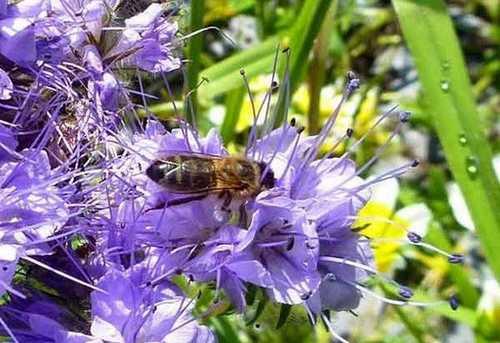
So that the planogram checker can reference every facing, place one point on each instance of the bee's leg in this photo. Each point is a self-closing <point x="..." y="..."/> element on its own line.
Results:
<point x="228" y="198"/>
<point x="180" y="201"/>
<point x="243" y="216"/>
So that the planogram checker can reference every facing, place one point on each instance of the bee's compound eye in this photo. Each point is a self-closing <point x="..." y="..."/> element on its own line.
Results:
<point x="155" y="172"/>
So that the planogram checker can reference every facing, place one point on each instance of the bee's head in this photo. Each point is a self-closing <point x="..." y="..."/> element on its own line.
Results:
<point x="268" y="180"/>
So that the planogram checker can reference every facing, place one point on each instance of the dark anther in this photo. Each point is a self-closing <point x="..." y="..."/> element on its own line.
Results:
<point x="178" y="271"/>
<point x="274" y="85"/>
<point x="293" y="122"/>
<point x="290" y="243"/>
<point x="300" y="129"/>
<point x="5" y="268"/>
<point x="331" y="277"/>
<point x="351" y="75"/>
<point x="242" y="71"/>
<point x="285" y="50"/>
<point x="414" y="237"/>
<point x="155" y="308"/>
<point x="404" y="116"/>
<point x="205" y="79"/>
<point x="415" y="163"/>
<point x="456" y="259"/>
<point x="353" y="85"/>
<point x="405" y="292"/>
<point x="148" y="284"/>
<point x="349" y="132"/>
<point x="310" y="245"/>
<point x="353" y="313"/>
<point x="454" y="303"/>
<point x="257" y="325"/>
<point x="306" y="295"/>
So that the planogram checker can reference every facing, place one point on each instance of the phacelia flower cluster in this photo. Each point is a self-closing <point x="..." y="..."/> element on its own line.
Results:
<point x="87" y="210"/>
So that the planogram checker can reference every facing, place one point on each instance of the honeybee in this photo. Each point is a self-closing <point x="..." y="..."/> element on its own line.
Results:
<point x="200" y="175"/>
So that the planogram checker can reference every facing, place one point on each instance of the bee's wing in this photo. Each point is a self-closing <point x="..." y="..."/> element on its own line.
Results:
<point x="192" y="153"/>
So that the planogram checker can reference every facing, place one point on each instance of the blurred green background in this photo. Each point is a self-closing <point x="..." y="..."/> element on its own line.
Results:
<point x="439" y="60"/>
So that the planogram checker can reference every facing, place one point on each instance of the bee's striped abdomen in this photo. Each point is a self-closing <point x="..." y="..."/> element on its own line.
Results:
<point x="183" y="173"/>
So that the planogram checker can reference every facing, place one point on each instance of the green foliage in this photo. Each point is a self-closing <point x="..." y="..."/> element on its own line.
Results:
<point x="449" y="100"/>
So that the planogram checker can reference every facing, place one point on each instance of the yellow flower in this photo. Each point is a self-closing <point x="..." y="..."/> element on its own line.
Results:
<point x="382" y="225"/>
<point x="388" y="228"/>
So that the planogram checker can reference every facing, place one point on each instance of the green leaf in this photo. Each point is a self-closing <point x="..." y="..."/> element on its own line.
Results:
<point x="194" y="53"/>
<point x="317" y="70"/>
<point x="448" y="99"/>
<point x="226" y="332"/>
<point x="234" y="100"/>
<point x="301" y="38"/>
<point x="300" y="41"/>
<point x="285" y="310"/>
<point x="259" y="310"/>
<point x="225" y="76"/>
<point x="462" y="314"/>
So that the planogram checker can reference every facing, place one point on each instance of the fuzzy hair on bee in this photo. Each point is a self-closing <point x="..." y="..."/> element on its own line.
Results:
<point x="200" y="175"/>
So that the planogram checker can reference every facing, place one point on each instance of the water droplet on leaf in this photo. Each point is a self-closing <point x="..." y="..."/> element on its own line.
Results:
<point x="462" y="139"/>
<point x="445" y="85"/>
<point x="472" y="165"/>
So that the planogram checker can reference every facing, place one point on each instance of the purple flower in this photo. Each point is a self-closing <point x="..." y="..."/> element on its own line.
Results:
<point x="147" y="42"/>
<point x="6" y="86"/>
<point x="15" y="33"/>
<point x="38" y="319"/>
<point x="131" y="313"/>
<point x="32" y="209"/>
<point x="286" y="232"/>
<point x="8" y="143"/>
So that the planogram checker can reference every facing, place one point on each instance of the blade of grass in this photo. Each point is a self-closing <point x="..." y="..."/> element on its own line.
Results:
<point x="224" y="76"/>
<point x="234" y="100"/>
<point x="194" y="52"/>
<point x="300" y="41"/>
<point x="257" y="60"/>
<point x="448" y="98"/>
<point x="317" y="70"/>
<point x="226" y="333"/>
<point x="285" y="311"/>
